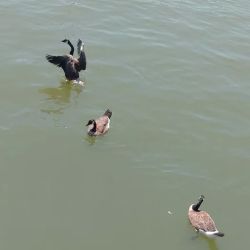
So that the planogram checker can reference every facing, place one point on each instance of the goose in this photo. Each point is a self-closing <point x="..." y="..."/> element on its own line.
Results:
<point x="202" y="221"/>
<point x="99" y="126"/>
<point x="70" y="65"/>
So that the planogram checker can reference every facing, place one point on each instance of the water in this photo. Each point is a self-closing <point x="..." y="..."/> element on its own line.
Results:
<point x="176" y="76"/>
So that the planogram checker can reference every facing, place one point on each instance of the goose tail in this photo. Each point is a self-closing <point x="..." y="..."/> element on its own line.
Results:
<point x="108" y="113"/>
<point x="220" y="234"/>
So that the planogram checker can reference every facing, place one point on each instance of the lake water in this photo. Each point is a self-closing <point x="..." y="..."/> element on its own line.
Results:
<point x="176" y="75"/>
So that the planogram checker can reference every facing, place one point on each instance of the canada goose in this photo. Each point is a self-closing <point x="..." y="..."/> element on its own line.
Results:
<point x="201" y="220"/>
<point x="99" y="126"/>
<point x="70" y="65"/>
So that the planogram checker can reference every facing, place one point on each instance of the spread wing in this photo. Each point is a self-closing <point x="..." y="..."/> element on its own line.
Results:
<point x="82" y="57"/>
<point x="82" y="61"/>
<point x="202" y="220"/>
<point x="57" y="60"/>
<point x="67" y="63"/>
<point x="79" y="46"/>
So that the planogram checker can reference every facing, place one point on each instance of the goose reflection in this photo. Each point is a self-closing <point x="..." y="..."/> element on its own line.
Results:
<point x="90" y="139"/>
<point x="212" y="244"/>
<point x="60" y="96"/>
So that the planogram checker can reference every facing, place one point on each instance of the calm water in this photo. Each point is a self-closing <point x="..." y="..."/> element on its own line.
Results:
<point x="175" y="74"/>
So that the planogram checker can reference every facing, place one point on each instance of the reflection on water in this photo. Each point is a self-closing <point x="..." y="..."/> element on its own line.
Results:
<point x="90" y="139"/>
<point x="53" y="110"/>
<point x="60" y="96"/>
<point x="212" y="244"/>
<point x="62" y="93"/>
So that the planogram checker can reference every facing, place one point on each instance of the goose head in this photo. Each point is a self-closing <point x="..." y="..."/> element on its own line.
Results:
<point x="65" y="41"/>
<point x="91" y="127"/>
<point x="195" y="207"/>
<point x="90" y="122"/>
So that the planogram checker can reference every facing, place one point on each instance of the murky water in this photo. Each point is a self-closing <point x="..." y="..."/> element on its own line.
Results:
<point x="176" y="76"/>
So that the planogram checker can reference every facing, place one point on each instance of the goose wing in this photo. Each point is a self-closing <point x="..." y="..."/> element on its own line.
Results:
<point x="67" y="63"/>
<point x="82" y="57"/>
<point x="202" y="220"/>
<point x="79" y="46"/>
<point x="57" y="60"/>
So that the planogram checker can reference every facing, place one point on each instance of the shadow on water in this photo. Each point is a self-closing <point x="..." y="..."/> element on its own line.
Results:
<point x="60" y="96"/>
<point x="90" y="139"/>
<point x="212" y="244"/>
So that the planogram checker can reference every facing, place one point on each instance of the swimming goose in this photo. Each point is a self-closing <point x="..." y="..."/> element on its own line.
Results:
<point x="201" y="220"/>
<point x="99" y="126"/>
<point x="70" y="65"/>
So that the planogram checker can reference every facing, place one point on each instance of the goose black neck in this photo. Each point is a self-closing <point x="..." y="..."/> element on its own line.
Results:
<point x="93" y="130"/>
<point x="72" y="48"/>
<point x="198" y="204"/>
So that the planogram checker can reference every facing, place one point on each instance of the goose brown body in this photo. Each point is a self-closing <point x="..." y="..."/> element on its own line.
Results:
<point x="102" y="125"/>
<point x="201" y="220"/>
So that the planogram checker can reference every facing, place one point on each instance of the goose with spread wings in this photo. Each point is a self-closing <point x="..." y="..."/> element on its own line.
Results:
<point x="70" y="65"/>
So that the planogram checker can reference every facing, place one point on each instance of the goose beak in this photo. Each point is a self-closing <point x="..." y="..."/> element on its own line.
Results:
<point x="64" y="41"/>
